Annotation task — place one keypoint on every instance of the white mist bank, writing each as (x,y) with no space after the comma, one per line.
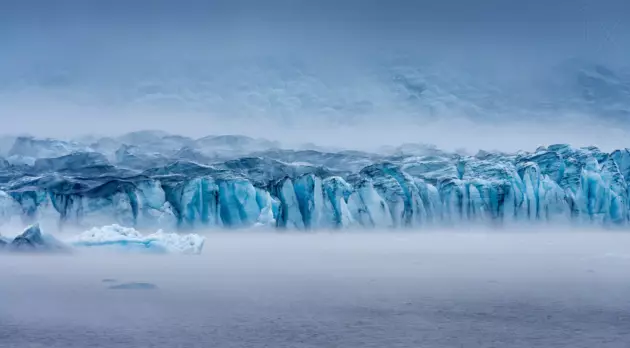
(450,130)
(304,290)
(552,256)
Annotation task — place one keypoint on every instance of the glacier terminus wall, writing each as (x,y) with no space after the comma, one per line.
(152,178)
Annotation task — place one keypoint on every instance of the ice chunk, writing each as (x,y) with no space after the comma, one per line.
(32,239)
(125,238)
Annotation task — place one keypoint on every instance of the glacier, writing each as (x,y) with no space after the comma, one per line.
(146,180)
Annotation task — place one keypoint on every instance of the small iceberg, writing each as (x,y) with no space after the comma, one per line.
(129,239)
(32,240)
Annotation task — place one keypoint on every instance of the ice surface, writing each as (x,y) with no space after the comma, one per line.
(140,180)
(123,238)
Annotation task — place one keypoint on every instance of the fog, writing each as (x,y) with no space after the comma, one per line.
(477,289)
(489,74)
(449,134)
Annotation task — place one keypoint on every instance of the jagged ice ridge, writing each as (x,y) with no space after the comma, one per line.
(155,179)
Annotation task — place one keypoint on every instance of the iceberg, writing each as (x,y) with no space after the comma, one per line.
(124,238)
(32,240)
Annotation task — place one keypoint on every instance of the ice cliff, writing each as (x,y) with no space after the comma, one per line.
(143,179)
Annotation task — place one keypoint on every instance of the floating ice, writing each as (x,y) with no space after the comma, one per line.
(124,238)
(32,240)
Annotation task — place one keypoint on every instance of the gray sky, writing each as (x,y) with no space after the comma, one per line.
(285,66)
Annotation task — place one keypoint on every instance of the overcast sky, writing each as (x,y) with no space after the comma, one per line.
(108,66)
